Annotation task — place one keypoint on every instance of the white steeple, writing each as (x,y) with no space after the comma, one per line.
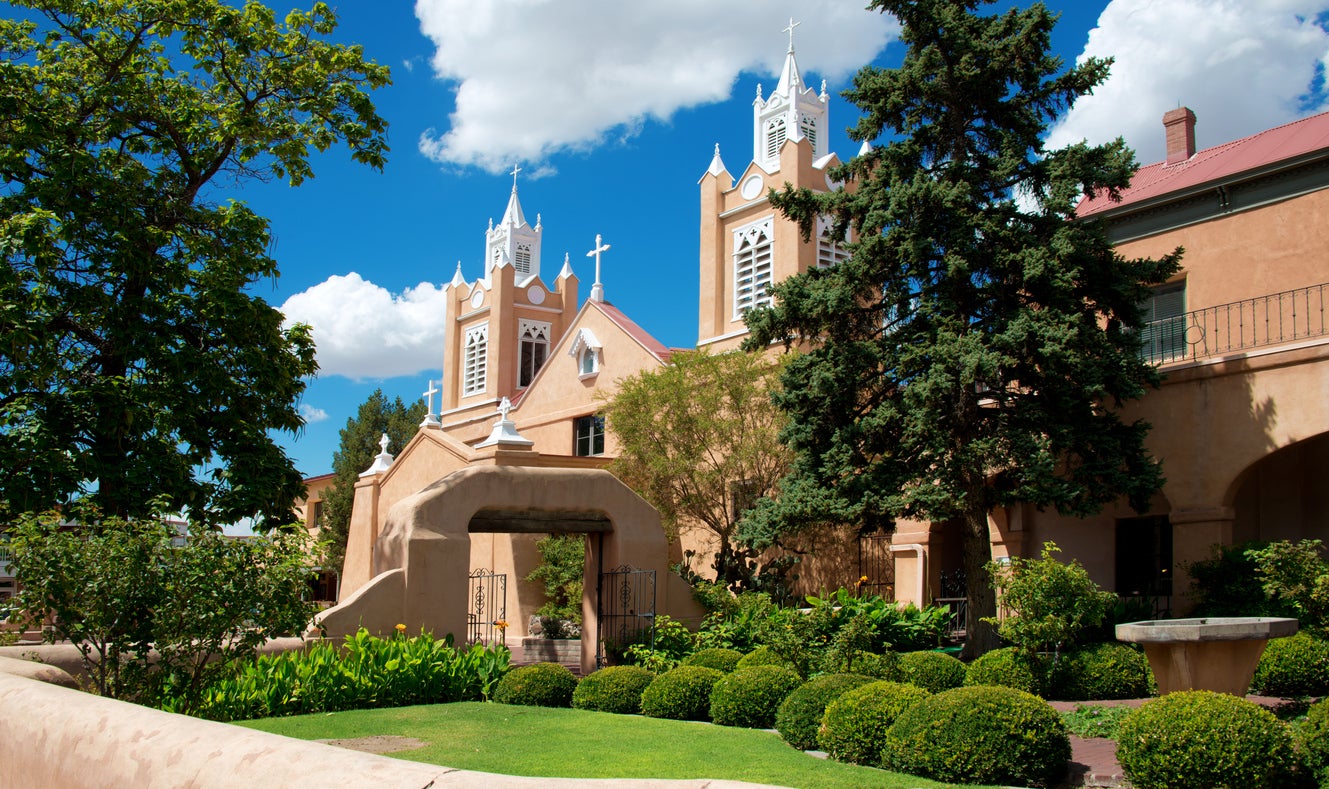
(513,242)
(793,111)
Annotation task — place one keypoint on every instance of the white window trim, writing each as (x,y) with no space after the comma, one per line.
(753,265)
(475,360)
(540,332)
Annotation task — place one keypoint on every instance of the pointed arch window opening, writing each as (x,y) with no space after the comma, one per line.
(533,350)
(752,267)
(776,132)
(808,125)
(522,262)
(475,360)
(831,250)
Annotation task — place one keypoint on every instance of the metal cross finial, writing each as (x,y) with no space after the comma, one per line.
(790,31)
(598,290)
(516,169)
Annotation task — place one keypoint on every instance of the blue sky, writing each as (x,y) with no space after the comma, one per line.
(612,110)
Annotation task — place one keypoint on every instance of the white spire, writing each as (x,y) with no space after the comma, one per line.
(513,216)
(793,111)
(567,268)
(865,148)
(513,242)
(717,166)
(457,279)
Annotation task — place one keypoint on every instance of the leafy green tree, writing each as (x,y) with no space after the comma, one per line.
(135,360)
(561,571)
(699,439)
(157,622)
(1048,602)
(1296,575)
(973,350)
(355,453)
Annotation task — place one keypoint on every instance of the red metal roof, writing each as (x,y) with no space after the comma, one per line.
(1281,143)
(654,346)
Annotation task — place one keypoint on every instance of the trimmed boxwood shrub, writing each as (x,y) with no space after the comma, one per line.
(1313,735)
(613,689)
(537,685)
(985,735)
(932,671)
(762,656)
(725,660)
(1294,666)
(868,664)
(855,725)
(1098,672)
(799,715)
(683,693)
(1009,667)
(1196,739)
(750,697)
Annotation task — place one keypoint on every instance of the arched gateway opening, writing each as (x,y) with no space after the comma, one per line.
(421,559)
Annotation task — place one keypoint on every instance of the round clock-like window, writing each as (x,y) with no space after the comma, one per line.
(477,298)
(535,294)
(751,188)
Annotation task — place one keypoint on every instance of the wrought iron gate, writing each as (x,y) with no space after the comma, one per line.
(487,609)
(625,612)
(876,566)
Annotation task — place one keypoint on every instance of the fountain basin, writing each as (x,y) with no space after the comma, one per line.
(1214,653)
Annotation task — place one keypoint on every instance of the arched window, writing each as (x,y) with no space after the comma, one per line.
(775,137)
(752,266)
(534,339)
(808,125)
(830,250)
(475,360)
(523,262)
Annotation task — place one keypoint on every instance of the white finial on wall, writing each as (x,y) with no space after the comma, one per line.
(382,461)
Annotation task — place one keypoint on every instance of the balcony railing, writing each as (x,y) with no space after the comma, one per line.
(1240,326)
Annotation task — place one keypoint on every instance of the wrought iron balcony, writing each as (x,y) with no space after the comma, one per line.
(1244,325)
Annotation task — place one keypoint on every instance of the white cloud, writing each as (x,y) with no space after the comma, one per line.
(540,76)
(1242,66)
(312,414)
(363,331)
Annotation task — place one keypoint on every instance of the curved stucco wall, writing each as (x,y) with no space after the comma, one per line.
(53,737)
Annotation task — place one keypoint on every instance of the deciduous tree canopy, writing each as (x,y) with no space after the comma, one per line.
(699,440)
(973,351)
(135,362)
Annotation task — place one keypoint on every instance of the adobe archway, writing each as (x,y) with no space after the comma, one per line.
(422,555)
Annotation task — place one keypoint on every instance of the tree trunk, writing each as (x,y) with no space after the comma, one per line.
(976,546)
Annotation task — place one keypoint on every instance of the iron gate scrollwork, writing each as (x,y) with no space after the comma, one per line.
(625,611)
(876,565)
(487,608)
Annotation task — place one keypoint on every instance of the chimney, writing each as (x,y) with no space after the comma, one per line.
(1179,124)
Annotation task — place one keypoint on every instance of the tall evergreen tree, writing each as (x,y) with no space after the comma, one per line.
(973,351)
(355,453)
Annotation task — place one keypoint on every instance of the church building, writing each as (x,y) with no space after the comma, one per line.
(1241,422)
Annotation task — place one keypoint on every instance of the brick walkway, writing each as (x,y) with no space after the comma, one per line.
(1094,759)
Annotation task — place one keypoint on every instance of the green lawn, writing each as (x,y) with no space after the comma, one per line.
(538,741)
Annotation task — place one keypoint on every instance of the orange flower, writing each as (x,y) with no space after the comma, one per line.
(401,628)
(501,624)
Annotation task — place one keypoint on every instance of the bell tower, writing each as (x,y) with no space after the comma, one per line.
(746,245)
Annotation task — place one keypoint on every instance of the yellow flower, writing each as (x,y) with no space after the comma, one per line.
(401,628)
(501,624)
(863,580)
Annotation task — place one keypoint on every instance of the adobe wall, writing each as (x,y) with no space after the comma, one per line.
(65,738)
(1219,253)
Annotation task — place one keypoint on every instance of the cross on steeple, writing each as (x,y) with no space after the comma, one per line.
(598,290)
(790,31)
(516,169)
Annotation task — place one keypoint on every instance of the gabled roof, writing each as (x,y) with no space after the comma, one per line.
(643,338)
(1282,144)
